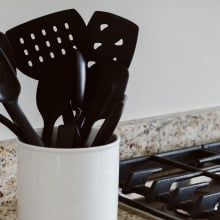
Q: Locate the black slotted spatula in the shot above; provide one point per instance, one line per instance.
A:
(45, 43)
(45, 50)
(111, 37)
(112, 42)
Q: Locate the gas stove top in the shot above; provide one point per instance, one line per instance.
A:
(179, 184)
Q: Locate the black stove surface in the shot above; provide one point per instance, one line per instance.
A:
(179, 184)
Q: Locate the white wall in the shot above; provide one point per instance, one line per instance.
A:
(176, 66)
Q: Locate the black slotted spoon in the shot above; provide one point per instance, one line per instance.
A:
(45, 50)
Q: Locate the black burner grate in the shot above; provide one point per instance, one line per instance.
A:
(179, 184)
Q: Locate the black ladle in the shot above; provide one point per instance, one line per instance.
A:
(9, 92)
(6, 47)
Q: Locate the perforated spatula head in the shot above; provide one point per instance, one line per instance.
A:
(111, 38)
(43, 44)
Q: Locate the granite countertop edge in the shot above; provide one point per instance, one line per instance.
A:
(142, 136)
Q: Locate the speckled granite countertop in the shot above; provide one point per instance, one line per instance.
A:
(138, 137)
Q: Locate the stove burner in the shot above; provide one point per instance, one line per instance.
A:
(176, 185)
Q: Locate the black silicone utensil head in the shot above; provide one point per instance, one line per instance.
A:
(6, 47)
(9, 85)
(102, 95)
(80, 77)
(108, 72)
(111, 38)
(53, 98)
(43, 44)
(9, 92)
(45, 49)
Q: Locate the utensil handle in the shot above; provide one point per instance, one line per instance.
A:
(47, 133)
(17, 115)
(68, 116)
(96, 110)
(107, 128)
(11, 126)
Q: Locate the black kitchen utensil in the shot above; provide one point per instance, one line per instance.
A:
(78, 96)
(6, 47)
(106, 130)
(103, 95)
(9, 91)
(111, 37)
(79, 89)
(44, 44)
(45, 49)
(112, 41)
(68, 135)
(12, 127)
(53, 98)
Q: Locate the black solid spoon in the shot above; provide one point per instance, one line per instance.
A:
(9, 92)
(53, 98)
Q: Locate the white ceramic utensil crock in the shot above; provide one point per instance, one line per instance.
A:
(68, 184)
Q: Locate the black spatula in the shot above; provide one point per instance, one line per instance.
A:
(45, 48)
(53, 98)
(111, 38)
(9, 92)
(44, 44)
